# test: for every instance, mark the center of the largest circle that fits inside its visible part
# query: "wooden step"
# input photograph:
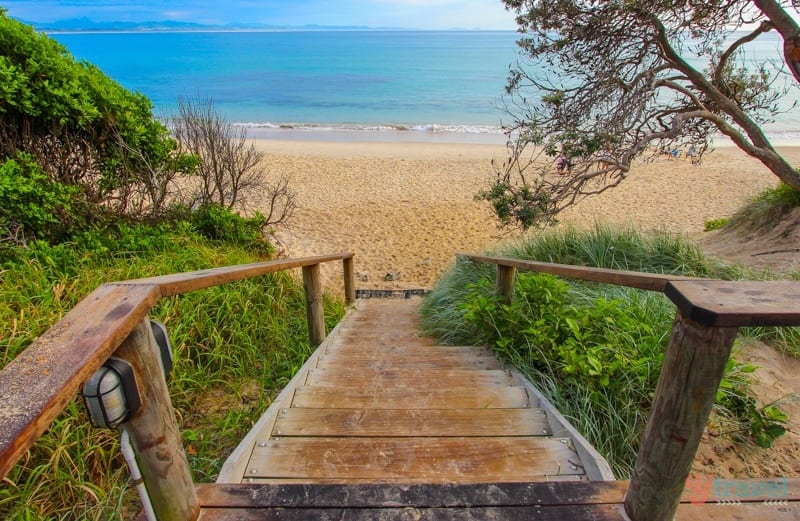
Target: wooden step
(429, 361)
(426, 422)
(382, 339)
(421, 358)
(412, 378)
(473, 397)
(414, 460)
(367, 350)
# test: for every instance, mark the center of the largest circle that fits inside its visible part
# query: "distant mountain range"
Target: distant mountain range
(88, 25)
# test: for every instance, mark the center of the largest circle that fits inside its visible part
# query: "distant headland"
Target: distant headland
(85, 24)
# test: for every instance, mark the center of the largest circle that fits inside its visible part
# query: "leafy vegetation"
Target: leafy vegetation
(234, 347)
(715, 224)
(78, 125)
(76, 148)
(595, 350)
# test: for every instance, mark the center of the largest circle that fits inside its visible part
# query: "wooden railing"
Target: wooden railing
(709, 313)
(37, 385)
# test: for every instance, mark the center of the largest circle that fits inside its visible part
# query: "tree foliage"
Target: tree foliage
(85, 132)
(609, 82)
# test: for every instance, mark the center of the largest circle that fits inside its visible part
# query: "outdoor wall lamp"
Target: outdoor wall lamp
(111, 394)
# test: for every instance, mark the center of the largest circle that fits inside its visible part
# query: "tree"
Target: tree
(608, 82)
(229, 166)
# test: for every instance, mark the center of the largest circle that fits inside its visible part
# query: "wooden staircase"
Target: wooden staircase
(378, 403)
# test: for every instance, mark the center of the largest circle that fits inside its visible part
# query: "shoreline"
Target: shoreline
(483, 135)
(406, 208)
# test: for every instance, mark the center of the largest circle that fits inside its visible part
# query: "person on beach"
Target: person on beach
(563, 165)
(605, 158)
(691, 154)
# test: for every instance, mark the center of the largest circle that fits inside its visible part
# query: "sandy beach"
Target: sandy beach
(406, 209)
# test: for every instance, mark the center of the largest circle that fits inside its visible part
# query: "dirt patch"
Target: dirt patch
(776, 249)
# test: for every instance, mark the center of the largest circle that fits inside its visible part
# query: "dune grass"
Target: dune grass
(594, 349)
(235, 346)
(767, 209)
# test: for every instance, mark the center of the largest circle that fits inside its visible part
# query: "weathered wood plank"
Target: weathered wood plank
(565, 513)
(384, 339)
(440, 378)
(416, 460)
(473, 397)
(576, 500)
(387, 480)
(360, 349)
(544, 494)
(748, 512)
(422, 361)
(427, 422)
(193, 281)
(738, 303)
(37, 385)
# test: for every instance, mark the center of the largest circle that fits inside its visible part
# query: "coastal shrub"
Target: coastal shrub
(79, 126)
(768, 208)
(594, 349)
(34, 206)
(235, 346)
(715, 224)
(221, 224)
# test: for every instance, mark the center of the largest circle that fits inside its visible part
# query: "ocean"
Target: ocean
(337, 85)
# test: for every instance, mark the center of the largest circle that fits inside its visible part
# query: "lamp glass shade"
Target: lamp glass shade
(111, 394)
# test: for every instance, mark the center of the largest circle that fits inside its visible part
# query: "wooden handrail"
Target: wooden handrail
(38, 384)
(631, 279)
(709, 313)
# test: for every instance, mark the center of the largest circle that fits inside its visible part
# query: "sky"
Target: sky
(411, 14)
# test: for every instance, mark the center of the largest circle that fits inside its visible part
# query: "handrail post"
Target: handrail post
(154, 432)
(694, 363)
(314, 309)
(505, 282)
(349, 280)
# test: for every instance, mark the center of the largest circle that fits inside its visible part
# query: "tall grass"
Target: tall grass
(235, 346)
(766, 209)
(594, 349)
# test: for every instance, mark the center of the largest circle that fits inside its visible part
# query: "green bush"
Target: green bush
(33, 205)
(595, 350)
(221, 224)
(81, 127)
(715, 224)
(591, 343)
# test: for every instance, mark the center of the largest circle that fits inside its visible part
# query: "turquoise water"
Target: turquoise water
(388, 81)
(333, 85)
